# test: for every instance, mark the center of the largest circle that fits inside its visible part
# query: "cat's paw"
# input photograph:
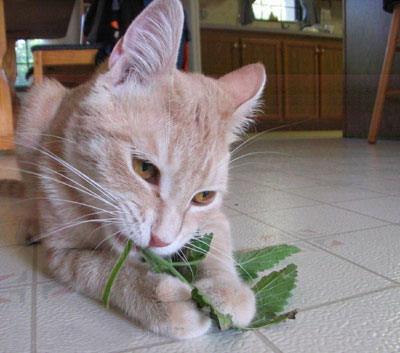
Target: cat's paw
(184, 320)
(171, 289)
(230, 296)
(175, 315)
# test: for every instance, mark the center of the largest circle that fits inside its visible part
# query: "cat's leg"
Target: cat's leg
(28, 227)
(218, 277)
(159, 302)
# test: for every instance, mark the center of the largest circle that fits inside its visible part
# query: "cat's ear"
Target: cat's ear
(245, 86)
(151, 43)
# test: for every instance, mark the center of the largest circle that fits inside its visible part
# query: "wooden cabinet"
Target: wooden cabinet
(219, 53)
(305, 74)
(300, 80)
(331, 81)
(223, 52)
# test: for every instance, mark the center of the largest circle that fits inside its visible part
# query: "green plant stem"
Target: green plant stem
(114, 273)
(150, 256)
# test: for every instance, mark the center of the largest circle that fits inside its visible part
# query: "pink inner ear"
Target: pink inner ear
(150, 44)
(245, 83)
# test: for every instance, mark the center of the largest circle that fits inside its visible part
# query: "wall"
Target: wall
(367, 26)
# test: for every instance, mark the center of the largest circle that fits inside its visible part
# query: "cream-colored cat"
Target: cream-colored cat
(140, 152)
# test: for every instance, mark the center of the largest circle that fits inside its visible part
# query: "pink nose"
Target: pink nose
(156, 242)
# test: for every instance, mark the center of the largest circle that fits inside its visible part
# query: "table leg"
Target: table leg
(6, 116)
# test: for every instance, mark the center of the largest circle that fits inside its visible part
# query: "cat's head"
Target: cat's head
(158, 139)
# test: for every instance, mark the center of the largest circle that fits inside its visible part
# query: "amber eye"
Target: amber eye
(203, 198)
(146, 170)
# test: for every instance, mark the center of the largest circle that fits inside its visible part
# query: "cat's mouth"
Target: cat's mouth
(155, 245)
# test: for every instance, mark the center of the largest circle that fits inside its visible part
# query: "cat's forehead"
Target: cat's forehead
(178, 117)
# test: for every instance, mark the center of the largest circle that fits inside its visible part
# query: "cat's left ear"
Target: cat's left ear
(151, 43)
(245, 87)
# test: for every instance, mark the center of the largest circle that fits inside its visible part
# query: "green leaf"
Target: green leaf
(203, 302)
(161, 265)
(194, 253)
(251, 262)
(198, 248)
(270, 319)
(114, 273)
(273, 291)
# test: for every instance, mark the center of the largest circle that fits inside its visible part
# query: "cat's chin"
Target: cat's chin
(166, 250)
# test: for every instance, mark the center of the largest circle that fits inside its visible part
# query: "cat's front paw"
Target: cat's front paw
(230, 296)
(176, 315)
(184, 320)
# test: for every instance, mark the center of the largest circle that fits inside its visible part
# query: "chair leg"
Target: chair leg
(385, 75)
(6, 115)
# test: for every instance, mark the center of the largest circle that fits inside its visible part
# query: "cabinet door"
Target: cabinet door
(300, 80)
(331, 82)
(268, 52)
(219, 52)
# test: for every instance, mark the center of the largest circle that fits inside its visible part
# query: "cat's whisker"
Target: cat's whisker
(77, 172)
(231, 162)
(219, 251)
(46, 135)
(79, 189)
(29, 199)
(106, 239)
(259, 153)
(182, 256)
(190, 247)
(252, 139)
(105, 220)
(96, 229)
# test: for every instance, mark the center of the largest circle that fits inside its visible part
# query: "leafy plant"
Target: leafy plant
(272, 291)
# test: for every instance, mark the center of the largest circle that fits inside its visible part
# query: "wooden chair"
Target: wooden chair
(383, 90)
(61, 56)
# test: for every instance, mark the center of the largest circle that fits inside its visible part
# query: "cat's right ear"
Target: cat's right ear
(151, 43)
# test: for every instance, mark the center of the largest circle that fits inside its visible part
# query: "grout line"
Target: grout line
(353, 263)
(134, 349)
(15, 286)
(267, 342)
(348, 210)
(309, 242)
(346, 232)
(355, 296)
(282, 209)
(299, 238)
(34, 302)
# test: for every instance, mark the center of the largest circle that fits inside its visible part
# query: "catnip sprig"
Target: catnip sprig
(114, 273)
(272, 291)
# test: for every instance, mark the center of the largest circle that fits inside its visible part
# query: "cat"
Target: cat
(140, 152)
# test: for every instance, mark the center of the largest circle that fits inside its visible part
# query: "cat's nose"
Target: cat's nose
(156, 242)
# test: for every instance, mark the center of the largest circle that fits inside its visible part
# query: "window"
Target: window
(24, 59)
(283, 10)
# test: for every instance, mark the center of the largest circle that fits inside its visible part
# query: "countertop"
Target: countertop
(255, 28)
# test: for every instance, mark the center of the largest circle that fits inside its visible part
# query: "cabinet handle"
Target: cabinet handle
(236, 45)
(317, 51)
(322, 51)
(244, 46)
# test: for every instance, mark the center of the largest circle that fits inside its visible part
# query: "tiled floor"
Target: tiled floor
(338, 200)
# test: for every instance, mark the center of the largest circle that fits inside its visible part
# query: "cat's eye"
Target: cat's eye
(204, 197)
(146, 170)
